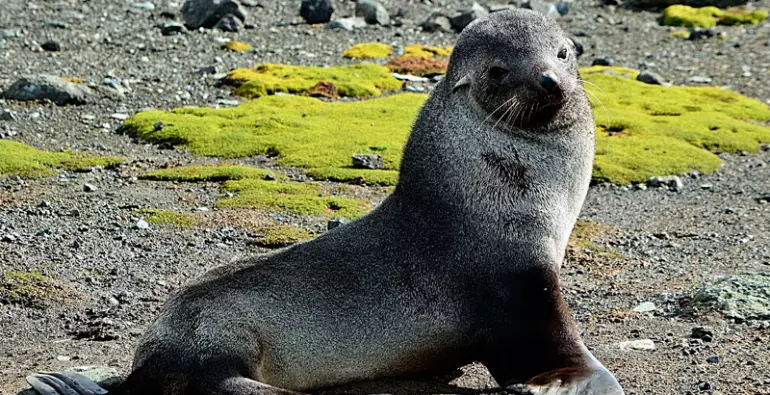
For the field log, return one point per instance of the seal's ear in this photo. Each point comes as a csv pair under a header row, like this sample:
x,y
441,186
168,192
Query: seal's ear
x,y
466,80
578,46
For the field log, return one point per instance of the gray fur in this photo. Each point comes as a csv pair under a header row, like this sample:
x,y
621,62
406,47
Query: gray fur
x,y
459,264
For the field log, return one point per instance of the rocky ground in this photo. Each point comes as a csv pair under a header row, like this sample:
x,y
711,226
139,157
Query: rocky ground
x,y
654,245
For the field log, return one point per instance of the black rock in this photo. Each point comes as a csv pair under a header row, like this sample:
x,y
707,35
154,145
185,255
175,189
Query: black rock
x,y
336,223
699,33
650,78
368,161
467,16
171,29
316,11
51,46
437,22
703,332
603,62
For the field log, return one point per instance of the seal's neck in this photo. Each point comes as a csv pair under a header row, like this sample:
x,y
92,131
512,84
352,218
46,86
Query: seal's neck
x,y
517,186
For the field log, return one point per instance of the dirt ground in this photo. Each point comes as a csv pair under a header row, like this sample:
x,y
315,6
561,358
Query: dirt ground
x,y
654,245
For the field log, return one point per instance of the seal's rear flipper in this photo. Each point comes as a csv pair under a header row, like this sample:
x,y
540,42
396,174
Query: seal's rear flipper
x,y
64,383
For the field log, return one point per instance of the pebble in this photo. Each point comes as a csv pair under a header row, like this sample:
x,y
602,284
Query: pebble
x,y
141,224
674,183
409,77
645,307
368,161
545,7
90,188
348,24
704,333
144,6
467,16
650,78
170,29
316,11
336,223
49,87
704,386
208,13
51,46
436,22
637,345
8,115
700,33
714,359
603,62
373,12
697,79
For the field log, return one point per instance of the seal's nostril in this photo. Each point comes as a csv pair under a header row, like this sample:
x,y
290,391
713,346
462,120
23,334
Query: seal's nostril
x,y
548,81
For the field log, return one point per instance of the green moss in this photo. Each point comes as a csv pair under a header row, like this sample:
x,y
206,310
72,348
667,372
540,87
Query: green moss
x,y
237,46
361,80
167,218
682,15
299,198
280,236
299,131
26,161
203,173
651,130
32,289
368,51
643,130
680,34
742,16
426,51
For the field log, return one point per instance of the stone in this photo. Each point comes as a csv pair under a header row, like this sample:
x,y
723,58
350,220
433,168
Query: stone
x,y
373,12
336,223
466,16
501,7
171,29
637,345
545,7
49,87
368,161
207,13
90,188
603,62
740,297
8,115
316,11
673,183
229,23
697,33
437,22
645,307
141,224
348,24
699,80
714,359
144,6
650,78
51,46
409,77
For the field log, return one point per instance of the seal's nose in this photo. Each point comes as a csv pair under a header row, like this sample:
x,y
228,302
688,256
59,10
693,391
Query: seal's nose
x,y
548,81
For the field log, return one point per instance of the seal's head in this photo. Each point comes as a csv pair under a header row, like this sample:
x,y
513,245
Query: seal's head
x,y
518,66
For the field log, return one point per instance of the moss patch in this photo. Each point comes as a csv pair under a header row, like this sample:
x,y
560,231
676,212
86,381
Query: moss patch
x,y
306,198
237,46
414,65
26,161
682,15
203,173
280,236
361,80
368,51
651,130
32,289
300,132
642,130
426,51
167,218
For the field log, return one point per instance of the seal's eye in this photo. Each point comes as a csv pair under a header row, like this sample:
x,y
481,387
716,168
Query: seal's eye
x,y
563,54
497,73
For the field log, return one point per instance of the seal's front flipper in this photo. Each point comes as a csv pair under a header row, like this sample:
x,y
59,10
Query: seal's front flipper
x,y
64,383
575,381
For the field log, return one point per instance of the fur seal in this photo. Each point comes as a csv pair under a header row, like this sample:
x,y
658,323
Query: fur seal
x,y
459,264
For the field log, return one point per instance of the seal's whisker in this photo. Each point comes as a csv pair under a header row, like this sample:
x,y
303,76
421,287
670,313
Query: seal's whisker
x,y
512,115
496,110
504,114
594,85
606,113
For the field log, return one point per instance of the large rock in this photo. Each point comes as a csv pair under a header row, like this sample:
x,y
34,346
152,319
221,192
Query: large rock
x,y
468,15
437,22
49,87
106,377
208,13
316,11
372,12
741,297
